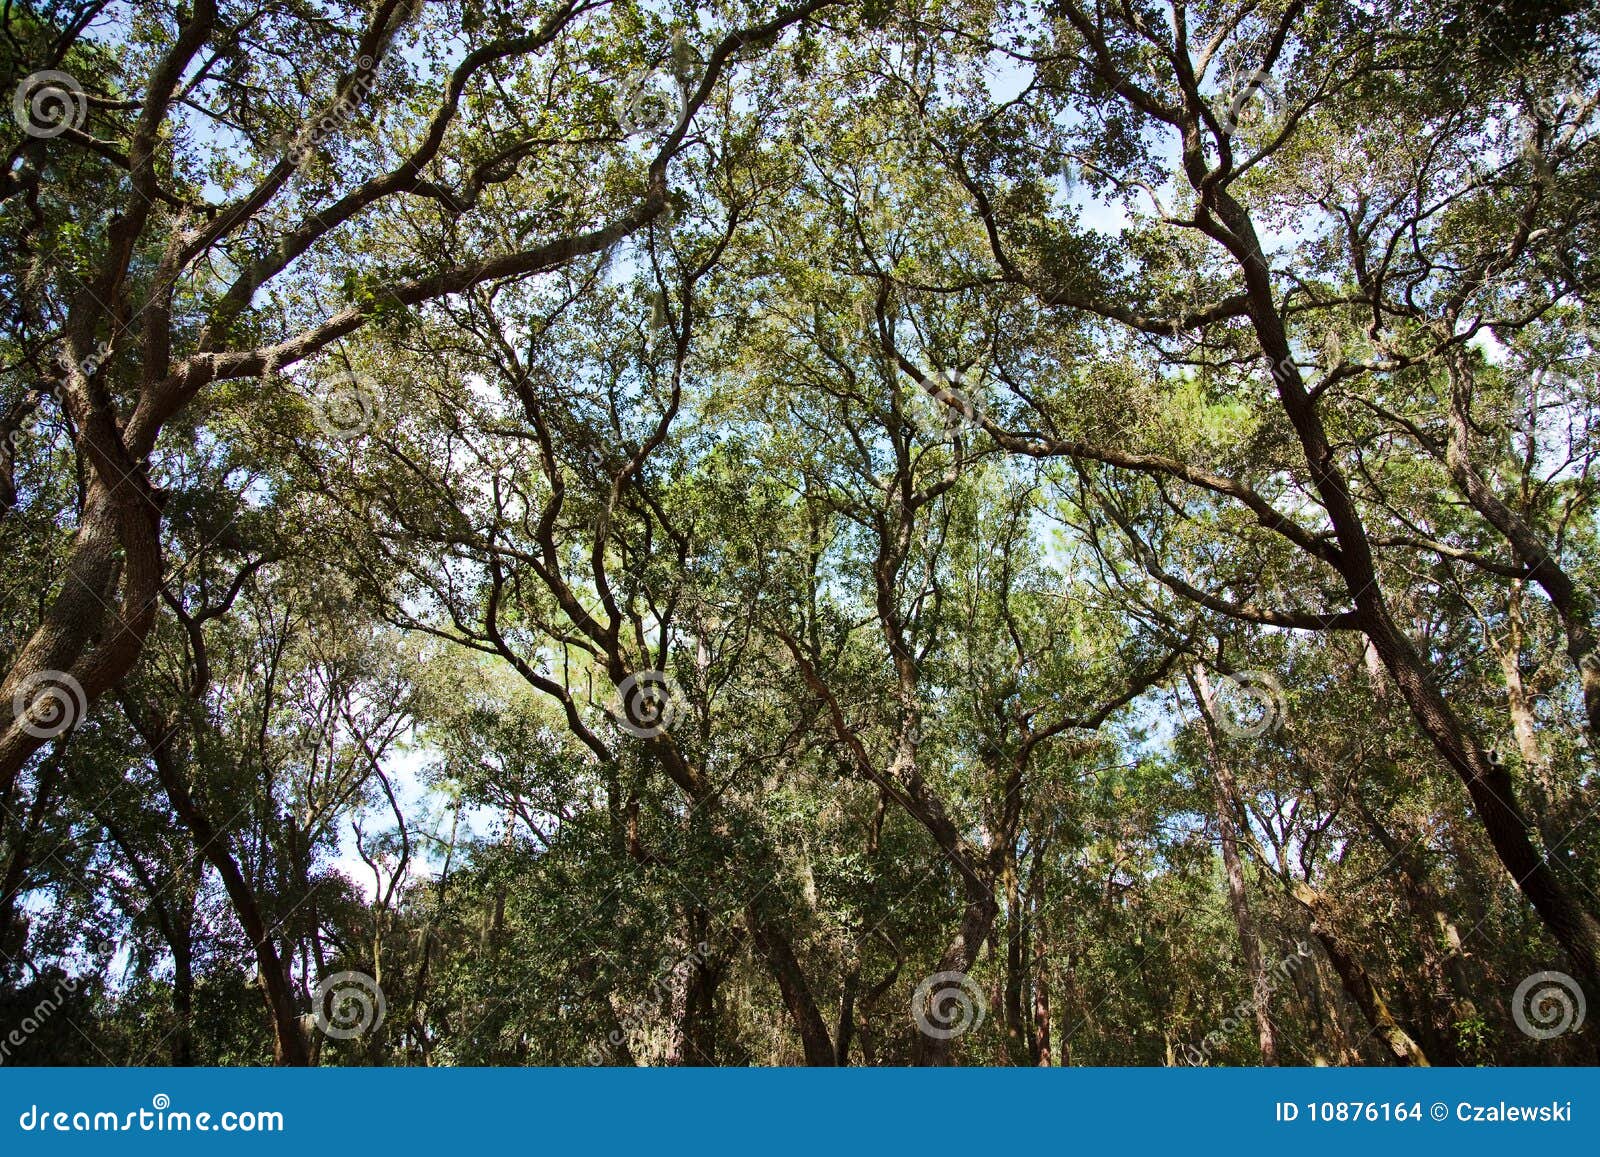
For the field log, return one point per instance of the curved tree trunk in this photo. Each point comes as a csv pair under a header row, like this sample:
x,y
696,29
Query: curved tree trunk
x,y
960,956
1487,784
778,952
289,1043
1358,984
90,632
1041,982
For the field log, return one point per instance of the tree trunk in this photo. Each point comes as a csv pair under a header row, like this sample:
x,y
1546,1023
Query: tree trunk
x,y
959,957
1041,984
1447,981
1358,984
1018,1044
11,885
1573,606
289,1043
1535,767
1225,796
118,543
1487,785
700,998
776,950
183,1005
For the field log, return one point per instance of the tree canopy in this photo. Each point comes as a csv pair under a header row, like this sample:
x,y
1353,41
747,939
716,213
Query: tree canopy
x,y
799,532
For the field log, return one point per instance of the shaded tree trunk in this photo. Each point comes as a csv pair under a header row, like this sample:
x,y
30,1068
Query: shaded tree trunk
x,y
183,1003
289,1043
778,952
11,885
1225,796
90,632
1447,981
1536,768
700,997
959,957
1019,1043
1041,983
1358,984
1487,784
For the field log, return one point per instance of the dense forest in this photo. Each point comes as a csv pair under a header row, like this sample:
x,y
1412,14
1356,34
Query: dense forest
x,y
827,532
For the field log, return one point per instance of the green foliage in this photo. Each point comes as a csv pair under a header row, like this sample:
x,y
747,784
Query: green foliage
x,y
968,420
